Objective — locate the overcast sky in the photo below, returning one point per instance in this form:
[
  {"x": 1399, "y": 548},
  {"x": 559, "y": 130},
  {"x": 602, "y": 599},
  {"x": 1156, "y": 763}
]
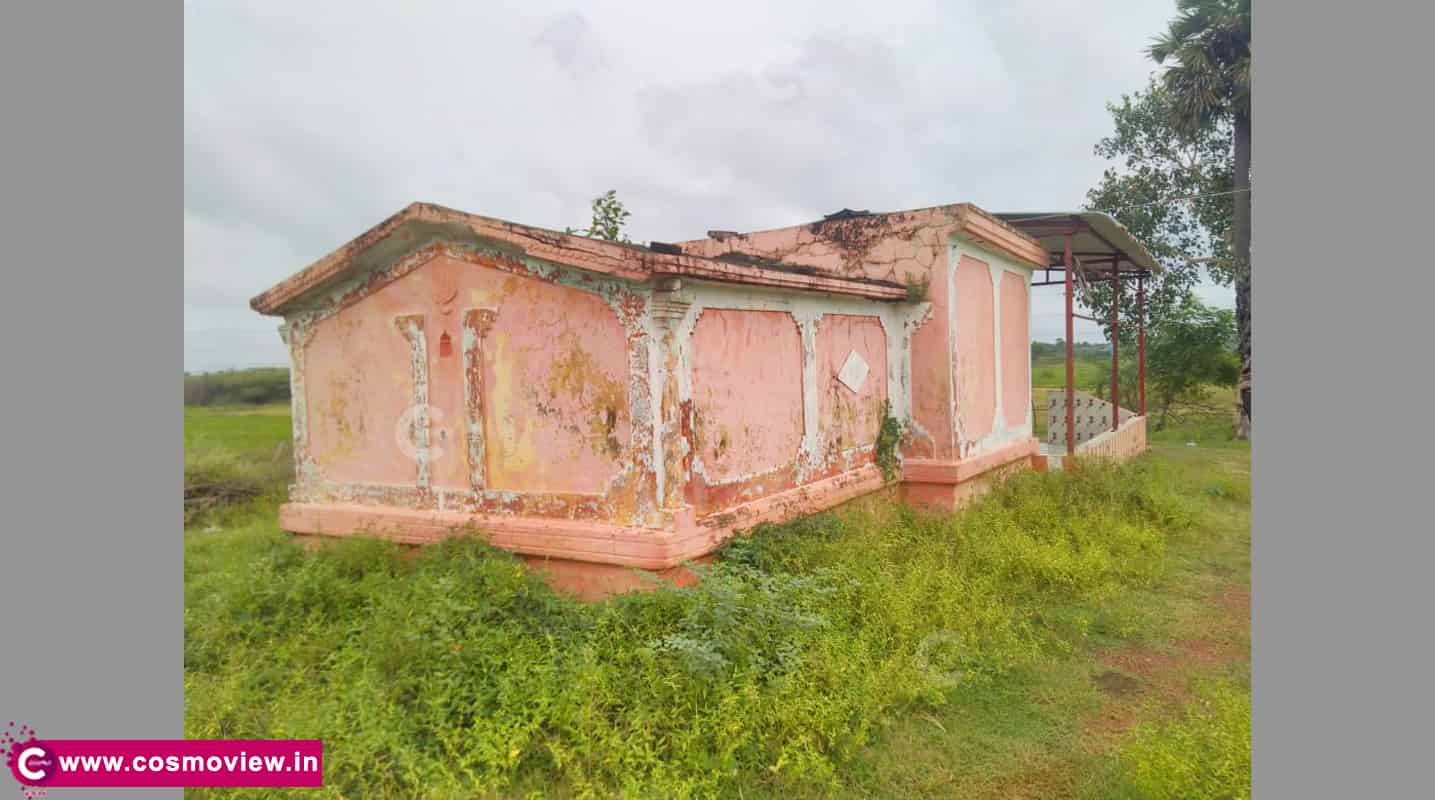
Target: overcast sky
[{"x": 305, "y": 123}]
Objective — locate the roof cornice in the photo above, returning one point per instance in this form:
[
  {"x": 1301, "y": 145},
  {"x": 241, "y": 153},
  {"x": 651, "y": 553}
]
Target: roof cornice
[{"x": 421, "y": 223}]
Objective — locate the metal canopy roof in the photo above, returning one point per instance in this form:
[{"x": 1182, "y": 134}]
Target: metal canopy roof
[{"x": 1098, "y": 241}]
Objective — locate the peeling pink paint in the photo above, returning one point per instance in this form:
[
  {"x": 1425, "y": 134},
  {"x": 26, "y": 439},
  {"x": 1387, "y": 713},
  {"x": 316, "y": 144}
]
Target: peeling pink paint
[
  {"x": 975, "y": 372},
  {"x": 747, "y": 394},
  {"x": 931, "y": 377},
  {"x": 355, "y": 409},
  {"x": 554, "y": 360},
  {"x": 1016, "y": 350},
  {"x": 852, "y": 418},
  {"x": 556, "y": 368}
]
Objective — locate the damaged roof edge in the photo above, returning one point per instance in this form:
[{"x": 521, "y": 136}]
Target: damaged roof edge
[
  {"x": 621, "y": 260},
  {"x": 990, "y": 230},
  {"x": 968, "y": 220}
]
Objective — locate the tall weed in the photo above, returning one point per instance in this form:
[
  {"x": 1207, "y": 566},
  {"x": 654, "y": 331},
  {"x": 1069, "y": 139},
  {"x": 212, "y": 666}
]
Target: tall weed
[{"x": 456, "y": 672}]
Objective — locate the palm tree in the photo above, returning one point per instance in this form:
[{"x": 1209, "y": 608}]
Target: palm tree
[{"x": 1209, "y": 78}]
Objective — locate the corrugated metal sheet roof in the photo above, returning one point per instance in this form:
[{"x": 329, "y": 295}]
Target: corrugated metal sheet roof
[{"x": 1096, "y": 235}]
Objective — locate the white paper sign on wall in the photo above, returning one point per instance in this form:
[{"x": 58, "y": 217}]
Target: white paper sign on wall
[{"x": 854, "y": 372}]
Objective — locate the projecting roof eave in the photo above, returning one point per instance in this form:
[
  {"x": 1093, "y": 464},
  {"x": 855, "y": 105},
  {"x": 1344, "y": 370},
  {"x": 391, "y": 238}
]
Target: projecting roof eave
[{"x": 1096, "y": 239}]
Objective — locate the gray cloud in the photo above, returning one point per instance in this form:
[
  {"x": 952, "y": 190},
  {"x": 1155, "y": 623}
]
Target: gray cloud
[
  {"x": 568, "y": 39},
  {"x": 307, "y": 123}
]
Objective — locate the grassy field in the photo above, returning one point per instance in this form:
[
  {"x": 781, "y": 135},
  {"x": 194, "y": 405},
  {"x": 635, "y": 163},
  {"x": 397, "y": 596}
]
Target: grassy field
[
  {"x": 1080, "y": 636},
  {"x": 237, "y": 461},
  {"x": 1051, "y": 371},
  {"x": 237, "y": 428}
]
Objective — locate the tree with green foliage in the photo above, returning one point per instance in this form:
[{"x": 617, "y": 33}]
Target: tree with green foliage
[
  {"x": 1188, "y": 350},
  {"x": 609, "y": 217},
  {"x": 1207, "y": 48},
  {"x": 256, "y": 386},
  {"x": 1156, "y": 161}
]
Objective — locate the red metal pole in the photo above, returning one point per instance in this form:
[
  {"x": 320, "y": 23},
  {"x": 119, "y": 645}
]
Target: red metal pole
[
  {"x": 1070, "y": 359},
  {"x": 1115, "y": 347},
  {"x": 1141, "y": 339}
]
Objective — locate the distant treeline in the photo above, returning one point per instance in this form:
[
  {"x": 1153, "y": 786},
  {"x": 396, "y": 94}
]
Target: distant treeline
[
  {"x": 1057, "y": 349},
  {"x": 237, "y": 387}
]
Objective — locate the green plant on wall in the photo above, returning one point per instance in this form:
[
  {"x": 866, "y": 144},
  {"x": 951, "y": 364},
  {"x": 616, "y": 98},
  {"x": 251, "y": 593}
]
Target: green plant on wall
[
  {"x": 889, "y": 436},
  {"x": 918, "y": 286},
  {"x": 609, "y": 217}
]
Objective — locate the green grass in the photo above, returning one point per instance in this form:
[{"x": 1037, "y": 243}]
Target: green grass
[
  {"x": 237, "y": 461},
  {"x": 1204, "y": 753},
  {"x": 238, "y": 428},
  {"x": 876, "y": 652},
  {"x": 1209, "y": 424},
  {"x": 1024, "y": 735},
  {"x": 1051, "y": 372}
]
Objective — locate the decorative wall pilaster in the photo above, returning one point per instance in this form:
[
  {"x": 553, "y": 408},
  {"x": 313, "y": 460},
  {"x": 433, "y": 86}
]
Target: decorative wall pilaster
[
  {"x": 412, "y": 328},
  {"x": 673, "y": 422},
  {"x": 476, "y": 324},
  {"x": 811, "y": 426}
]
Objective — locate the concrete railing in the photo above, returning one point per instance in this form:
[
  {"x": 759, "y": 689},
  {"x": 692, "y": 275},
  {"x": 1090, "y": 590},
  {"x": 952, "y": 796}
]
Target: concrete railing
[
  {"x": 1124, "y": 442},
  {"x": 1092, "y": 418},
  {"x": 1094, "y": 436}
]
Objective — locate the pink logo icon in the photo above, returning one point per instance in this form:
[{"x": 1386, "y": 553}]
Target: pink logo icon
[{"x": 31, "y": 761}]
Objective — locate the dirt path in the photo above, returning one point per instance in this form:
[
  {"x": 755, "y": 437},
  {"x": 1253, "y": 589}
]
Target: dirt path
[
  {"x": 1145, "y": 683},
  {"x": 1141, "y": 680}
]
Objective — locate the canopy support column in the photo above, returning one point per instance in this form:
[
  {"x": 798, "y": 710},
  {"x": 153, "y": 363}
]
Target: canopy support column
[
  {"x": 1141, "y": 338},
  {"x": 1115, "y": 346},
  {"x": 1070, "y": 357}
]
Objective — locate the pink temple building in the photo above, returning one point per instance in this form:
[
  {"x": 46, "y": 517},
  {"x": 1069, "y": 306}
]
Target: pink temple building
[{"x": 594, "y": 406}]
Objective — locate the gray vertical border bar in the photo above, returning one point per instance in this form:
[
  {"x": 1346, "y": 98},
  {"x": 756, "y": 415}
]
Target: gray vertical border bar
[
  {"x": 1342, "y": 551},
  {"x": 91, "y": 570}
]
